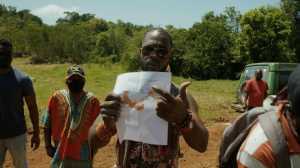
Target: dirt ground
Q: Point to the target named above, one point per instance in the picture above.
(105, 157)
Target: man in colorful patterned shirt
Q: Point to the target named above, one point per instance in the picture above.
(70, 115)
(177, 108)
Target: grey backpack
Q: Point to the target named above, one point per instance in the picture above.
(235, 134)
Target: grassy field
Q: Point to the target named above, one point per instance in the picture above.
(213, 96)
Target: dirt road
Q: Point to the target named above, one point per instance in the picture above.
(105, 157)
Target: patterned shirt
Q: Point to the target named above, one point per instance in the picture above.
(132, 154)
(55, 117)
(256, 151)
(70, 124)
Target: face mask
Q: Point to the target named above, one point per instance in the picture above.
(76, 85)
(5, 61)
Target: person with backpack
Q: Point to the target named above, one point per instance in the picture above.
(274, 137)
(177, 108)
(15, 87)
(71, 113)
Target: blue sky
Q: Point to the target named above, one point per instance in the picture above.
(179, 13)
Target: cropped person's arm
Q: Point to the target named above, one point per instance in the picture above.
(34, 117)
(99, 136)
(197, 136)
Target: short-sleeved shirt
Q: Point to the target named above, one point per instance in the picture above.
(14, 86)
(256, 151)
(256, 90)
(70, 124)
(56, 114)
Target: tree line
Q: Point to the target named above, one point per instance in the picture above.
(217, 47)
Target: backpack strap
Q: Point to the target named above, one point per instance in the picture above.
(272, 128)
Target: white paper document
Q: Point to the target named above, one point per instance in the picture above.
(138, 120)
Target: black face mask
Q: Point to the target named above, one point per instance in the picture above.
(5, 61)
(76, 85)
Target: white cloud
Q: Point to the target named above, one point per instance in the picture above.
(51, 12)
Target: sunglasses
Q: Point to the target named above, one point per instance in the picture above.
(160, 51)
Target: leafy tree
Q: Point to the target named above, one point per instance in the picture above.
(179, 49)
(131, 54)
(292, 9)
(75, 17)
(264, 35)
(208, 53)
(233, 18)
(216, 47)
(111, 43)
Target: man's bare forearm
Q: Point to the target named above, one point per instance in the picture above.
(197, 137)
(33, 113)
(100, 136)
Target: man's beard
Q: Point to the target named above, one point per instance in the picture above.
(151, 65)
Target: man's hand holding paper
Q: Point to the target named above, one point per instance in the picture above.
(138, 119)
(110, 110)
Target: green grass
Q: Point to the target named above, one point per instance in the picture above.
(213, 96)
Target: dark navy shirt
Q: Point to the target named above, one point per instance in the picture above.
(14, 85)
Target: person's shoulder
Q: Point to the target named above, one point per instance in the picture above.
(252, 80)
(92, 98)
(265, 82)
(248, 82)
(59, 93)
(57, 97)
(24, 80)
(20, 75)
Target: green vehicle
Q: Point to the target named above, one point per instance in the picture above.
(275, 74)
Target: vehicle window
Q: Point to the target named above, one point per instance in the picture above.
(283, 79)
(250, 72)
